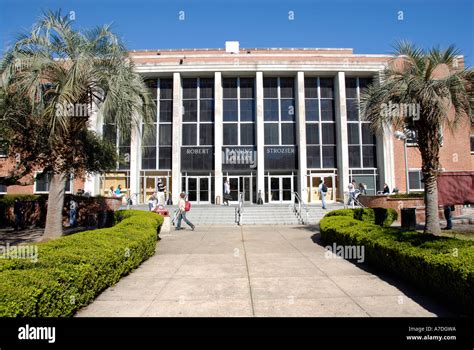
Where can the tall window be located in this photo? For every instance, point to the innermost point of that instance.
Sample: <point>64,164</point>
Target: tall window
<point>415,180</point>
<point>279,111</point>
<point>320,122</point>
<point>361,140</point>
<point>198,112</point>
<point>239,111</point>
<point>121,140</point>
<point>157,136</point>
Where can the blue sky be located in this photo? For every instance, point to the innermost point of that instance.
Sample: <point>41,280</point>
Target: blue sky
<point>368,26</point>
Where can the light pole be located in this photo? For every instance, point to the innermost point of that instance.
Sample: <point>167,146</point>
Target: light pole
<point>404,136</point>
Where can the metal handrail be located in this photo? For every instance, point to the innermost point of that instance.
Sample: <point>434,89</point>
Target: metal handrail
<point>298,206</point>
<point>354,201</point>
<point>239,209</point>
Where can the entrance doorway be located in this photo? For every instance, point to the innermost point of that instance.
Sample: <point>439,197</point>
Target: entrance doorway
<point>150,185</point>
<point>280,189</point>
<point>314,182</point>
<point>241,184</point>
<point>198,189</point>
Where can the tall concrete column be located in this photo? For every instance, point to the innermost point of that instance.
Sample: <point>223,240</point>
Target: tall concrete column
<point>91,181</point>
<point>341,134</point>
<point>218,136</point>
<point>301,136</point>
<point>135,150</point>
<point>176,150</point>
<point>385,160</point>
<point>260,136</point>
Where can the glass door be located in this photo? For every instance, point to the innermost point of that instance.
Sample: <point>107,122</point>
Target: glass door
<point>234,188</point>
<point>315,181</point>
<point>198,189</point>
<point>280,189</point>
<point>192,189</point>
<point>204,187</point>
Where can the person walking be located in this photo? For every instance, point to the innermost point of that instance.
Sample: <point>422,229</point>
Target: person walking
<point>226,192</point>
<point>161,188</point>
<point>152,201</point>
<point>323,189</point>
<point>73,206</point>
<point>352,188</point>
<point>447,215</point>
<point>17,212</point>
<point>182,204</point>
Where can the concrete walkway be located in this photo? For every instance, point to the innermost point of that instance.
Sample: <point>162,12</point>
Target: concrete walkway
<point>255,271</point>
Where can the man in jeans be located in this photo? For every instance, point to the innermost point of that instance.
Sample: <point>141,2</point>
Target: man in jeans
<point>73,213</point>
<point>182,213</point>
<point>323,189</point>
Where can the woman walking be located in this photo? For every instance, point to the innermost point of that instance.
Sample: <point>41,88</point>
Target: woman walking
<point>183,207</point>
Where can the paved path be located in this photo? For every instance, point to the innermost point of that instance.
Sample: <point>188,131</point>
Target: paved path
<point>255,271</point>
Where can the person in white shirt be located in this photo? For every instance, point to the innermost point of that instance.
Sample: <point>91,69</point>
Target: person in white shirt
<point>323,189</point>
<point>226,192</point>
<point>352,188</point>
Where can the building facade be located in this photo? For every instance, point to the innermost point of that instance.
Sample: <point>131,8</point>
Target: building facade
<point>271,122</point>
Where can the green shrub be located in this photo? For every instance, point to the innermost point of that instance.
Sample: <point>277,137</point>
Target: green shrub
<point>72,270</point>
<point>437,265</point>
<point>379,216</point>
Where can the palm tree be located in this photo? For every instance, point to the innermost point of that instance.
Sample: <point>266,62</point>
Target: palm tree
<point>64,74</point>
<point>431,81</point>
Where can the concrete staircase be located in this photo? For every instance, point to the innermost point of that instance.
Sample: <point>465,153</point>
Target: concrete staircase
<point>268,214</point>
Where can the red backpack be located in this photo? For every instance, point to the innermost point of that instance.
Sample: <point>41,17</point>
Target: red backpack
<point>187,206</point>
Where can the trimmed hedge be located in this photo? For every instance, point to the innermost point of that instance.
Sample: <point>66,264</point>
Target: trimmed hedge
<point>72,270</point>
<point>441,266</point>
<point>379,216</point>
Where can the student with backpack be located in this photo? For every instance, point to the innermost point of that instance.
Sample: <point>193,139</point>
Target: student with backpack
<point>323,189</point>
<point>183,207</point>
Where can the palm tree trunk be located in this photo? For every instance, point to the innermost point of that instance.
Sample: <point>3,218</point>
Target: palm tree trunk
<point>431,205</point>
<point>54,215</point>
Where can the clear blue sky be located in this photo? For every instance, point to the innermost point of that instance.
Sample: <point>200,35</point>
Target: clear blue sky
<point>368,26</point>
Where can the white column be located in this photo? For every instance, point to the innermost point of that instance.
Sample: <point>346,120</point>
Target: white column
<point>301,135</point>
<point>341,134</point>
<point>218,136</point>
<point>91,181</point>
<point>135,145</point>
<point>385,160</point>
<point>260,136</point>
<point>176,150</point>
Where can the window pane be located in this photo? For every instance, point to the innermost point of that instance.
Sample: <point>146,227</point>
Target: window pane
<point>472,143</point>
<point>313,157</point>
<point>189,134</point>
<point>149,135</point>
<point>166,111</point>
<point>206,134</point>
<point>229,86</point>
<point>363,83</point>
<point>288,133</point>
<point>166,89</point>
<point>230,110</point>
<point>247,87</point>
<point>189,88</point>
<point>270,110</point>
<point>165,135</point>
<point>288,110</point>
<point>149,158</point>
<point>352,110</point>
<point>247,134</point>
<point>353,133</point>
<point>190,110</point>
<point>369,156</point>
<point>206,113</point>
<point>351,88</point>
<point>270,87</point>
<point>312,110</point>
<point>414,180</point>
<point>311,87</point>
<point>271,134</point>
<point>354,156</point>
<point>110,133</point>
<point>206,87</point>
<point>124,157</point>
<point>312,134</point>
<point>327,87</point>
<point>165,158</point>
<point>152,84</point>
<point>230,134</point>
<point>327,109</point>
<point>42,182</point>
<point>247,110</point>
<point>329,156</point>
<point>328,133</point>
<point>368,138</point>
<point>287,87</point>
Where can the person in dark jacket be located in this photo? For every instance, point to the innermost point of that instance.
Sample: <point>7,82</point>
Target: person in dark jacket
<point>17,211</point>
